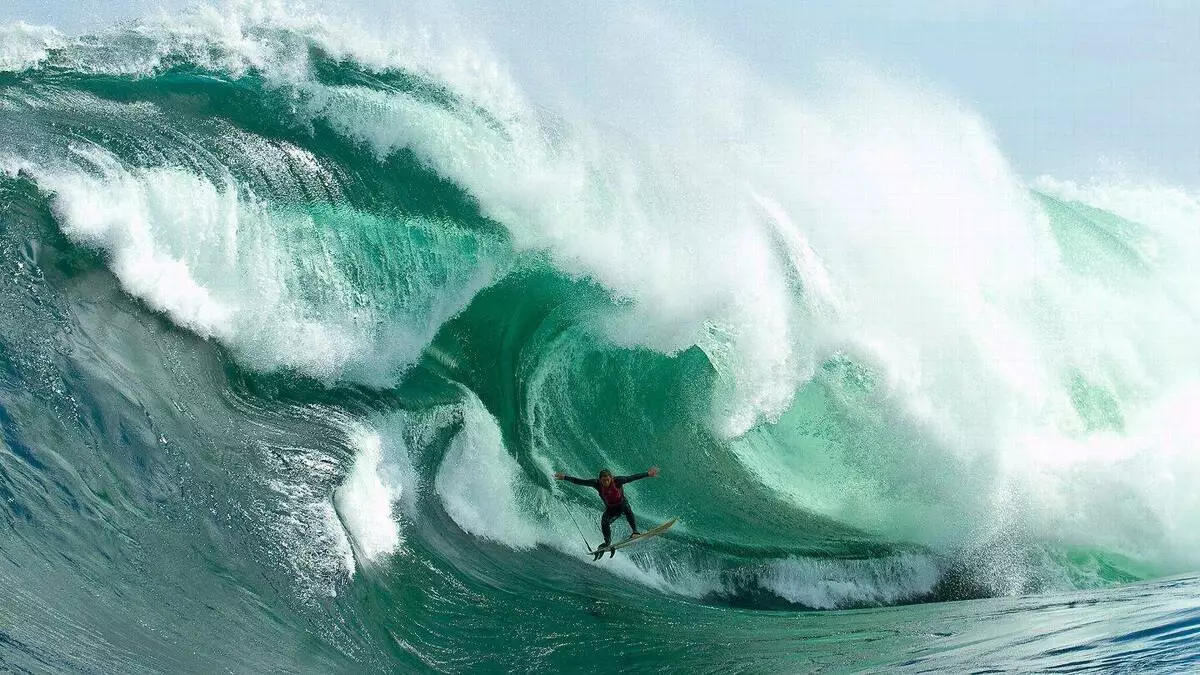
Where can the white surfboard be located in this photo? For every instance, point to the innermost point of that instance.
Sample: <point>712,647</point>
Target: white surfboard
<point>612,548</point>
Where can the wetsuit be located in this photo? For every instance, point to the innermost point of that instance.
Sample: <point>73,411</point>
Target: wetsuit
<point>614,501</point>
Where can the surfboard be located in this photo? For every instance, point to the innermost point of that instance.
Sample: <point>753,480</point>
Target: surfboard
<point>612,548</point>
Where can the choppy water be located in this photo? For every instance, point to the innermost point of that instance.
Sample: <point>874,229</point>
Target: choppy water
<point>298,324</point>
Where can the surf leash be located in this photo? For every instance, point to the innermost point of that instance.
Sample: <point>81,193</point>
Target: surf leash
<point>572,516</point>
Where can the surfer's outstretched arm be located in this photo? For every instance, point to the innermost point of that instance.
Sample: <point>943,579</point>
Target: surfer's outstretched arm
<point>621,480</point>
<point>590,482</point>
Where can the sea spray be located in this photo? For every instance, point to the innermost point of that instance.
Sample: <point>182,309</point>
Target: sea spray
<point>854,326</point>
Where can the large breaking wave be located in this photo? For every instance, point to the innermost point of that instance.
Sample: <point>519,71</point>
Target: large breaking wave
<point>874,364</point>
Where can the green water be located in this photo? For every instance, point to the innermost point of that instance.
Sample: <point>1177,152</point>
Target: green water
<point>294,342</point>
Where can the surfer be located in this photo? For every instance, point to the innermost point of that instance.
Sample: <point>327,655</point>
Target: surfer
<point>609,487</point>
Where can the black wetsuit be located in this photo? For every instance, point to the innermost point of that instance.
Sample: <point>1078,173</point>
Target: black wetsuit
<point>614,501</point>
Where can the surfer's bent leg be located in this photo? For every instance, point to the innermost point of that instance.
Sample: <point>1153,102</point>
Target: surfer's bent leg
<point>610,514</point>
<point>629,517</point>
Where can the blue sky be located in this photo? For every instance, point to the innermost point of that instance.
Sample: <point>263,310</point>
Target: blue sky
<point>1074,89</point>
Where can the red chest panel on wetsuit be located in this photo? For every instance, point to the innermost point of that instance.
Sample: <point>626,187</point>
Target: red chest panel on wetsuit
<point>612,495</point>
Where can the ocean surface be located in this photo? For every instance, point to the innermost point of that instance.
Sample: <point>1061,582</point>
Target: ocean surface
<point>296,324</point>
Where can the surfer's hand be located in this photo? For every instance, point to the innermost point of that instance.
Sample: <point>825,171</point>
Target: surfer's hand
<point>558,475</point>
<point>653,471</point>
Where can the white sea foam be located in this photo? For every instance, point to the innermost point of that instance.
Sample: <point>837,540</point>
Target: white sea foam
<point>830,584</point>
<point>479,483</point>
<point>364,502</point>
<point>23,45</point>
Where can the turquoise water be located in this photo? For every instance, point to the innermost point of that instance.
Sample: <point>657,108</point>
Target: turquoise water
<point>297,332</point>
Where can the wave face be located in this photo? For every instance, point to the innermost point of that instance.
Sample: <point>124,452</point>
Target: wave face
<point>300,323</point>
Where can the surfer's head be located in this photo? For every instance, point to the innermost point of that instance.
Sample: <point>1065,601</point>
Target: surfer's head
<point>605,477</point>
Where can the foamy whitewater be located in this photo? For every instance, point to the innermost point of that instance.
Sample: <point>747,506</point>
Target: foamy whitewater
<point>302,316</point>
